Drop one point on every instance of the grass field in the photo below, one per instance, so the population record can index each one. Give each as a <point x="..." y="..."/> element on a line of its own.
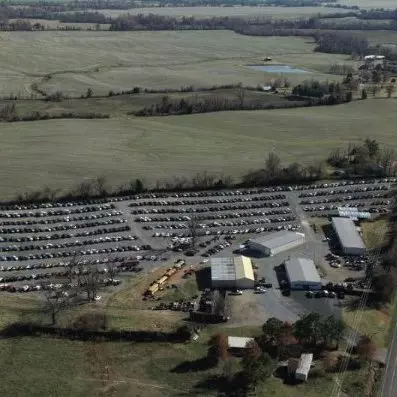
<point x="238" y="11"/>
<point x="122" y="60"/>
<point x="60" y="153"/>
<point x="35" y="366"/>
<point x="374" y="322"/>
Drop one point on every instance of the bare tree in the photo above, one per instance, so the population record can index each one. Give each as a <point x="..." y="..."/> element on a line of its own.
<point x="101" y="186"/>
<point x="72" y="267"/>
<point x="241" y="91"/>
<point x="390" y="89"/>
<point x="56" y="301"/>
<point x="91" y="282"/>
<point x="273" y="165"/>
<point x="193" y="227"/>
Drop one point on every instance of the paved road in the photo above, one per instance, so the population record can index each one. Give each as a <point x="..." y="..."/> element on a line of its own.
<point x="389" y="381"/>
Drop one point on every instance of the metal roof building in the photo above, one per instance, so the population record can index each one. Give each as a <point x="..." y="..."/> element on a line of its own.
<point x="274" y="243"/>
<point x="232" y="272"/>
<point x="302" y="274"/>
<point x="304" y="366"/>
<point x="348" y="236"/>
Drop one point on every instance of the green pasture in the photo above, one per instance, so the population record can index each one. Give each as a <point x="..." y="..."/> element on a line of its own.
<point x="73" y="61"/>
<point x="61" y="153"/>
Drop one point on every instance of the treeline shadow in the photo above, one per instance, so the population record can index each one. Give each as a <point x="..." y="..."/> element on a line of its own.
<point x="34" y="330"/>
<point x="201" y="364"/>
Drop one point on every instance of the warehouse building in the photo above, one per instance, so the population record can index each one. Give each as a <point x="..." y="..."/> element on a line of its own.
<point x="348" y="236"/>
<point x="275" y="243"/>
<point x="233" y="272"/>
<point x="302" y="274"/>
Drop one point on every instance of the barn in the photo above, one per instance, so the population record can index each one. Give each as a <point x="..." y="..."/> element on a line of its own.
<point x="302" y="274"/>
<point x="232" y="272"/>
<point x="274" y="243"/>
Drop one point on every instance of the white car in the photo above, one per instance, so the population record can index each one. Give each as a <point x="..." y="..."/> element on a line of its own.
<point x="260" y="290"/>
<point x="204" y="261"/>
<point x="236" y="292"/>
<point x="336" y="265"/>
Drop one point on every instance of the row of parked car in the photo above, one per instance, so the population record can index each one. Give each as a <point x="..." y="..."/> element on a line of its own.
<point x="292" y="227"/>
<point x="65" y="254"/>
<point x="365" y="189"/>
<point x="76" y="243"/>
<point x="55" y="204"/>
<point x="56" y="212"/>
<point x="231" y="215"/>
<point x="240" y="222"/>
<point x="232" y="207"/>
<point x="356" y="182"/>
<point x="57" y="286"/>
<point x="47" y="265"/>
<point x="57" y="228"/>
<point x="56" y="236"/>
<point x="50" y="221"/>
<point x="207" y="201"/>
<point x="65" y="274"/>
<point x="349" y="198"/>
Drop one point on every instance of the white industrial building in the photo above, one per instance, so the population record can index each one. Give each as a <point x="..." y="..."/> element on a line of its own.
<point x="274" y="243"/>
<point x="348" y="236"/>
<point x="305" y="363"/>
<point x="233" y="272"/>
<point x="302" y="274"/>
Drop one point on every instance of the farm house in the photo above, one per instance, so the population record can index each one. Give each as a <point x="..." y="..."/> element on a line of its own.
<point x="275" y="243"/>
<point x="232" y="272"/>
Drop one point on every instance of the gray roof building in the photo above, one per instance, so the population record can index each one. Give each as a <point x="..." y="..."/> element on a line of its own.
<point x="274" y="243"/>
<point x="302" y="274"/>
<point x="349" y="238"/>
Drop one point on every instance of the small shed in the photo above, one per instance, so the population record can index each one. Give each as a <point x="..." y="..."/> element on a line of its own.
<point x="305" y="363"/>
<point x="237" y="344"/>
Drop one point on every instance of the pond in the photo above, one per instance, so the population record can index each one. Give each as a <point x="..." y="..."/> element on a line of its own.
<point x="277" y="69"/>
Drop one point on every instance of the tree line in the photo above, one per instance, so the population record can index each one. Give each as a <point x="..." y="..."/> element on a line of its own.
<point x="214" y="103"/>
<point x="9" y="113"/>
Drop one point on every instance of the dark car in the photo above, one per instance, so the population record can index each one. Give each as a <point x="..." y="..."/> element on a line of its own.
<point x="309" y="294"/>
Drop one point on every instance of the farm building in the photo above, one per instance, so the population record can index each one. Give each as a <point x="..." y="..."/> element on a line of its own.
<point x="275" y="243"/>
<point x="302" y="274"/>
<point x="233" y="272"/>
<point x="237" y="344"/>
<point x="348" y="236"/>
<point x="304" y="365"/>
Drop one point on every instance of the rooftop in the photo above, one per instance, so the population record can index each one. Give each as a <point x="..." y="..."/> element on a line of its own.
<point x="278" y="239"/>
<point x="231" y="268"/>
<point x="302" y="269"/>
<point x="238" y="342"/>
<point x="347" y="233"/>
<point x="223" y="269"/>
<point x="305" y="363"/>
